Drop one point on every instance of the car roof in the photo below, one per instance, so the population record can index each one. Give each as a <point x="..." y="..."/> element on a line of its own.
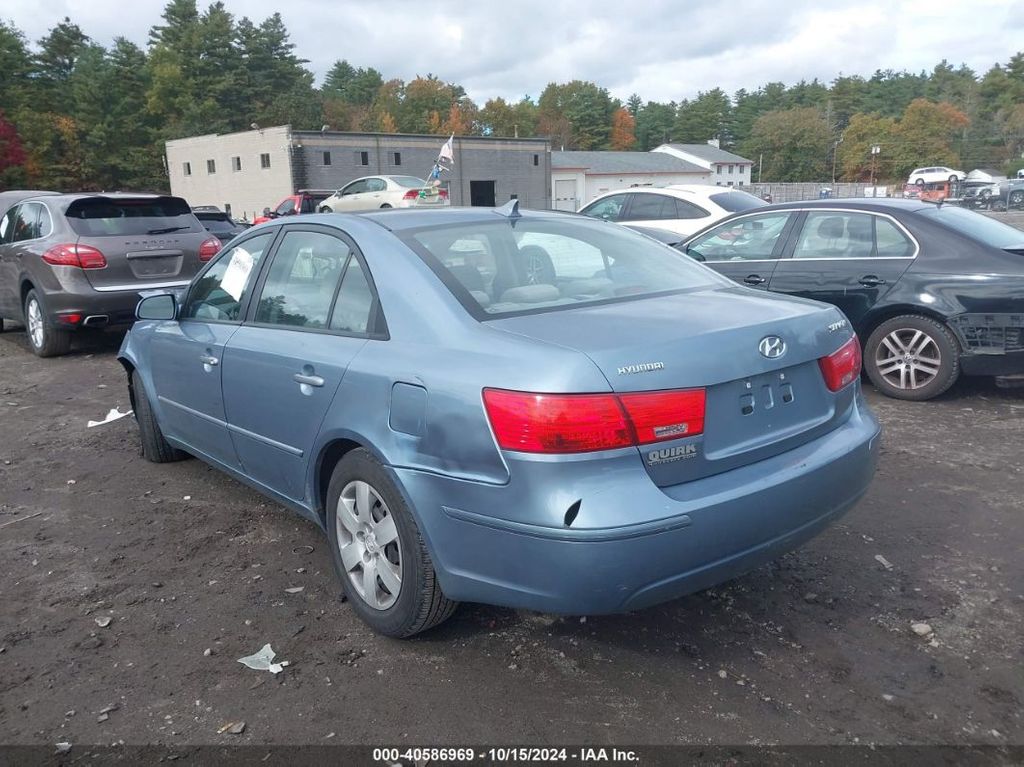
<point x="682" y="191"/>
<point x="12" y="197"/>
<point x="878" y="205"/>
<point x="398" y="219"/>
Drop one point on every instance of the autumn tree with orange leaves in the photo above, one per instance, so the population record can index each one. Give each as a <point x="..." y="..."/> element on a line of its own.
<point x="623" y="137"/>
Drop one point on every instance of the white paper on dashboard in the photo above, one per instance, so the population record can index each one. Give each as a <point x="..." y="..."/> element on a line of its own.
<point x="237" y="273"/>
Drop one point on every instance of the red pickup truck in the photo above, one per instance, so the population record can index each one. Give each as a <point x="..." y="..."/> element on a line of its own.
<point x="304" y="201"/>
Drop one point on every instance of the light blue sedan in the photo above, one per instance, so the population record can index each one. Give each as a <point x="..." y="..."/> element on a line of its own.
<point x="537" y="410"/>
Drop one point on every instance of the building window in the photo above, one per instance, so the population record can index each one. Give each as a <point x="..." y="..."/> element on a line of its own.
<point x="397" y="158"/>
<point x="731" y="168"/>
<point x="211" y="166"/>
<point x="742" y="169"/>
<point x="327" y="158"/>
<point x="236" y="164"/>
<point x="362" y="158"/>
<point x="186" y="168"/>
<point x="227" y="209"/>
<point x="265" y="160"/>
<point x="718" y="169"/>
<point x="536" y="159"/>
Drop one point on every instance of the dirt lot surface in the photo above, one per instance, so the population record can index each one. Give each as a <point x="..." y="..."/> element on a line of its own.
<point x="129" y="590"/>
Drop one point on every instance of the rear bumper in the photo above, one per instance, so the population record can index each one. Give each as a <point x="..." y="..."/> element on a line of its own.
<point x="116" y="306"/>
<point x="702" y="533"/>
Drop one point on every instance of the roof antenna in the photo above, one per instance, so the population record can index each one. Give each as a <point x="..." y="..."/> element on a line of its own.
<point x="510" y="209"/>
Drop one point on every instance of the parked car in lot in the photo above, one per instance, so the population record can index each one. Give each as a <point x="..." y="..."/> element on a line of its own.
<point x="373" y="192"/>
<point x="303" y="201"/>
<point x="218" y="223"/>
<point x="81" y="260"/>
<point x="682" y="208"/>
<point x="934" y="174"/>
<point x="1009" y="195"/>
<point x="934" y="291"/>
<point x="535" y="410"/>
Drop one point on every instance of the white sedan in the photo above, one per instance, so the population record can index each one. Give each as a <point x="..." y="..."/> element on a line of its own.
<point x="682" y="208"/>
<point x="374" y="192"/>
<point x="934" y="175"/>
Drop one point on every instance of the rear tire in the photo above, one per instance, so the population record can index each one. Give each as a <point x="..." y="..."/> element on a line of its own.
<point x="155" y="448"/>
<point x="325" y="209"/>
<point x="44" y="339"/>
<point x="385" y="205"/>
<point x="1016" y="199"/>
<point x="912" y="357"/>
<point x="374" y="528"/>
<point x="920" y="182"/>
<point x="954" y="179"/>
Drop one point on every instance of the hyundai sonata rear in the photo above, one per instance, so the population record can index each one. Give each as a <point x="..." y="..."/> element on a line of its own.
<point x="539" y="410"/>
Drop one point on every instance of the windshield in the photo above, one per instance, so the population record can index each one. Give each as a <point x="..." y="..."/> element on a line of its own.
<point x="736" y="201"/>
<point x="503" y="268"/>
<point x="410" y="182"/>
<point x="103" y="216"/>
<point x="976" y="226"/>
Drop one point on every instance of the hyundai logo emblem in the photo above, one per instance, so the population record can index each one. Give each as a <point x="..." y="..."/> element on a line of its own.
<point x="772" y="347"/>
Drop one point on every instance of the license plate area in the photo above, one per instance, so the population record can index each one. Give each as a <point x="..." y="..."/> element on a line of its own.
<point x="149" y="264"/>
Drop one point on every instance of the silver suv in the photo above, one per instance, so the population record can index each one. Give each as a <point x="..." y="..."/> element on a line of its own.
<point x="69" y="261"/>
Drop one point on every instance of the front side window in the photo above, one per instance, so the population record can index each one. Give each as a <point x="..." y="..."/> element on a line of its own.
<point x="608" y="208"/>
<point x="836" y="234"/>
<point x="219" y="293"/>
<point x="356" y="187"/>
<point x="751" y="238"/>
<point x="286" y="208"/>
<point x="503" y="268"/>
<point x="303" y="278"/>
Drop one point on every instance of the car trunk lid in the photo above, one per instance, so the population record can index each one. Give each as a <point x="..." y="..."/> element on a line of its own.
<point x="757" y="404"/>
<point x="145" y="240"/>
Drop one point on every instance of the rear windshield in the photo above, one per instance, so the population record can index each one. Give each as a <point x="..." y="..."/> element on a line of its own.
<point x="504" y="268"/>
<point x="976" y="226"/>
<point x="410" y="182"/>
<point x="217" y="222"/>
<point x="104" y="216"/>
<point x="736" y="201"/>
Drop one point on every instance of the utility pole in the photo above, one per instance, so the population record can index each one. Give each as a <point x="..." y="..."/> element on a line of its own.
<point x="760" y="162"/>
<point x="835" y="151"/>
<point x="875" y="150"/>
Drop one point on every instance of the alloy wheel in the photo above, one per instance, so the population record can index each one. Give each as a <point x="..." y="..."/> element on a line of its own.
<point x="908" y="358"/>
<point x="34" y="317"/>
<point x="368" y="543"/>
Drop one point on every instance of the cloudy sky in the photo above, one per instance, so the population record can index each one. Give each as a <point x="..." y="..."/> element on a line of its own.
<point x="662" y="49"/>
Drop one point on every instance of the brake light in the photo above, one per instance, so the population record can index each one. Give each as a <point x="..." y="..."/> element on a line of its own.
<point x="70" y="254"/>
<point x="443" y="194"/>
<point x="412" y="194"/>
<point x="209" y="248"/>
<point x="661" y="415"/>
<point x="842" y="366"/>
<point x="580" y="423"/>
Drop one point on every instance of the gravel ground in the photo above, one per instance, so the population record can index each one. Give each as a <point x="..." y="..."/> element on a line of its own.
<point x="129" y="590"/>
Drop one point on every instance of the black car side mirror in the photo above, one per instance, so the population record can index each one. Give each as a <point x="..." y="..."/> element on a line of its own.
<point x="691" y="253"/>
<point x="158" y="307"/>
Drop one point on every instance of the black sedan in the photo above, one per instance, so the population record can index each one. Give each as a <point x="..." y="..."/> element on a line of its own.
<point x="932" y="290"/>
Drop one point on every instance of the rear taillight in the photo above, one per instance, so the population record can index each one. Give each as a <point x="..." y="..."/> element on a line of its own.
<point x="209" y="248"/>
<point x="842" y="366"/>
<point x="580" y="423"/>
<point x="412" y="194"/>
<point x="661" y="415"/>
<point x="442" y="193"/>
<point x="70" y="254"/>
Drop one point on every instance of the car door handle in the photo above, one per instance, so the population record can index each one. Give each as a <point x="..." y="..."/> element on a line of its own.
<point x="301" y="378"/>
<point x="870" y="281"/>
<point x="754" y="279"/>
<point x="208" y="359"/>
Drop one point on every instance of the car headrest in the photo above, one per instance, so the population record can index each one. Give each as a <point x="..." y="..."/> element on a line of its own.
<point x="831" y="228"/>
<point x="530" y="294"/>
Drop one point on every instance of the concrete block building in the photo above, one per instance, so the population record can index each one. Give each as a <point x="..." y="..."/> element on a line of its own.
<point x="248" y="171"/>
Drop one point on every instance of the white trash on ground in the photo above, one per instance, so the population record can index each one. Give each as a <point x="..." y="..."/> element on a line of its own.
<point x="264" y="661"/>
<point x="113" y="415"/>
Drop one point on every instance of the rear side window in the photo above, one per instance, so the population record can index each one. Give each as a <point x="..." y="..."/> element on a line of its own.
<point x="976" y="226"/>
<point x="651" y="207"/>
<point x="355" y="301"/>
<point x="219" y="293"/>
<point x="106" y="216"/>
<point x="303" y="278"/>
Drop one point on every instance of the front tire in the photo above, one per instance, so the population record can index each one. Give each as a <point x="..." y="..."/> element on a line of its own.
<point x="155" y="448"/>
<point x="378" y="552"/>
<point x="920" y="182"/>
<point x="912" y="358"/>
<point x="44" y="339"/>
<point x="325" y="209"/>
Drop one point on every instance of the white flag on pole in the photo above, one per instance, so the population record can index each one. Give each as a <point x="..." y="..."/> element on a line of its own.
<point x="447" y="152"/>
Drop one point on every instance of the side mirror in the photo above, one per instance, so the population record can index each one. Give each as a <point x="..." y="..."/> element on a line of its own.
<point x="158" y="307"/>
<point x="691" y="253"/>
